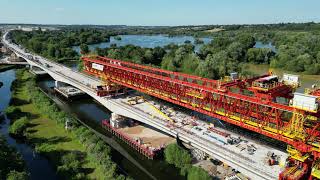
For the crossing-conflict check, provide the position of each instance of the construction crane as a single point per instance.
(251, 103)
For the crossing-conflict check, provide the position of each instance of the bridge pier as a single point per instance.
(66, 90)
(198, 154)
(5, 50)
(36, 71)
(116, 120)
(58, 84)
(14, 58)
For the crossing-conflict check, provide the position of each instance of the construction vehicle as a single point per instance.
(135, 100)
(272, 159)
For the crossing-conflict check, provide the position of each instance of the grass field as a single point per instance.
(42, 131)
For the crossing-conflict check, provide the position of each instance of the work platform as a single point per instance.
(69, 91)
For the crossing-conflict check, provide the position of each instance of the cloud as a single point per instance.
(59, 9)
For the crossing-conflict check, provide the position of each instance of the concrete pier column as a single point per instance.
(115, 120)
(58, 84)
(198, 154)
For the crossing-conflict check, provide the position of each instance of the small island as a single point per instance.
(198, 41)
(187, 42)
(118, 38)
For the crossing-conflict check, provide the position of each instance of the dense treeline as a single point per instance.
(202, 30)
(297, 51)
(217, 59)
(57, 44)
(297, 47)
(12, 166)
(69, 164)
(181, 159)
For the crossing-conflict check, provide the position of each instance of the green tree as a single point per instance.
(70, 166)
(84, 49)
(177, 156)
(158, 54)
(15, 175)
(148, 56)
(196, 173)
(190, 64)
(235, 51)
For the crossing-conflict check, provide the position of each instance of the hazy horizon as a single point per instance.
(158, 13)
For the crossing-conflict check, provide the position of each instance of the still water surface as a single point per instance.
(146, 41)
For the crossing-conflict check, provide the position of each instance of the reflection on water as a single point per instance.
(260, 44)
(146, 41)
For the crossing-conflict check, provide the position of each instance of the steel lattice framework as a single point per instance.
(235, 102)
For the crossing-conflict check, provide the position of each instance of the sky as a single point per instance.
(158, 12)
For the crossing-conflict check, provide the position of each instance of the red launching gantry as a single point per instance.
(264, 104)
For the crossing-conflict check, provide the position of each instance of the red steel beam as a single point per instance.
(175, 90)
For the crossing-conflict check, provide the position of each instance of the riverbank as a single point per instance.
(49, 136)
(6, 67)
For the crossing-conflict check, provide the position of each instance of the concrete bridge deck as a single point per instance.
(87, 84)
(6, 61)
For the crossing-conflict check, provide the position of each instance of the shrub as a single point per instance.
(177, 156)
(70, 166)
(43, 148)
(19, 126)
(181, 158)
(13, 112)
(196, 173)
(15, 175)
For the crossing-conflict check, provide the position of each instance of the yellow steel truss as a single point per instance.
(295, 154)
(295, 130)
(315, 172)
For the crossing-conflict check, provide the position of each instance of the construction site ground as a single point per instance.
(148, 136)
(257, 156)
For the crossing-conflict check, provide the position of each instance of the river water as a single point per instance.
(38, 166)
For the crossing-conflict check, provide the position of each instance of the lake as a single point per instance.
(146, 41)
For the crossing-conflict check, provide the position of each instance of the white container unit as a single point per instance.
(290, 79)
(97, 66)
(305, 102)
